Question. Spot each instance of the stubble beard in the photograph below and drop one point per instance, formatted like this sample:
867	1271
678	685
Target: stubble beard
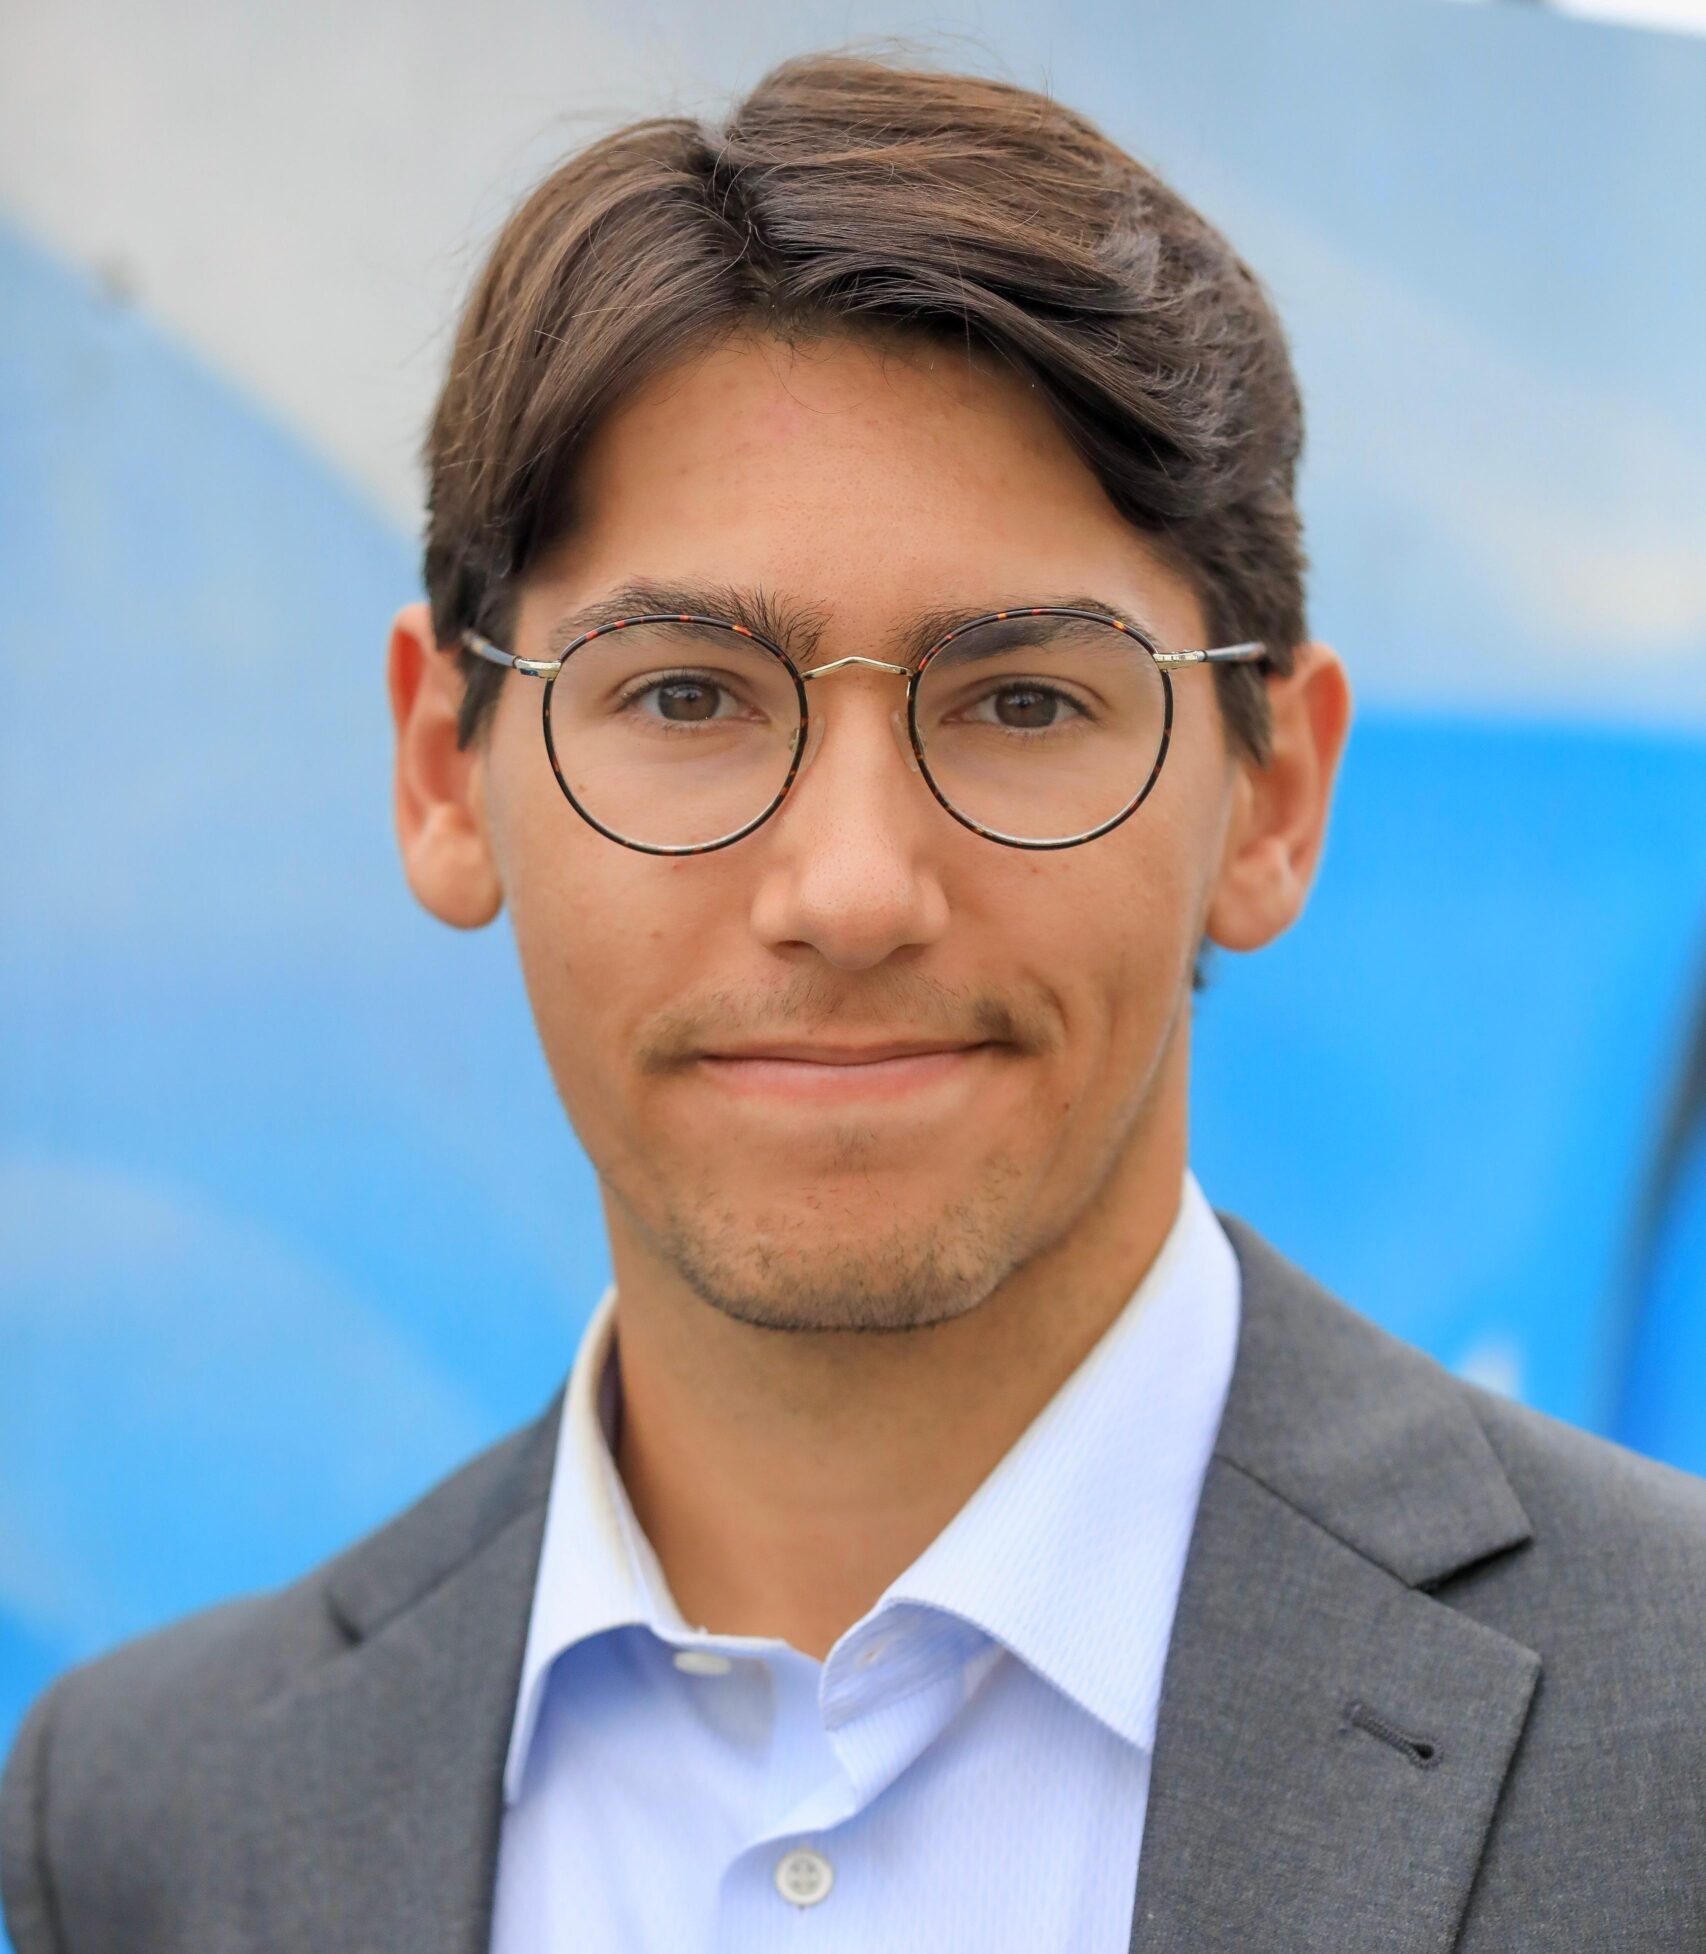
803	1260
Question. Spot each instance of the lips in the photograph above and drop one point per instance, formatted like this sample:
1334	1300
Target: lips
905	1072
809	1054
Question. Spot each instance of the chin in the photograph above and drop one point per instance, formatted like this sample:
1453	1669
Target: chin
871	1279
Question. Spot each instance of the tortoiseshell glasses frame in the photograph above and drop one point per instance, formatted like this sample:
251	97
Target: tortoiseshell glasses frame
548	669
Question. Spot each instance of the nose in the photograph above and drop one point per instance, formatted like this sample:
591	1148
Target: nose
819	717
849	865
897	717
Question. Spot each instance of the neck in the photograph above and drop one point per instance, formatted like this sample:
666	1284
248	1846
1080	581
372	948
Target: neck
785	1478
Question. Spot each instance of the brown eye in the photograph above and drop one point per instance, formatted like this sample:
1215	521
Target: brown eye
686	699
1031	708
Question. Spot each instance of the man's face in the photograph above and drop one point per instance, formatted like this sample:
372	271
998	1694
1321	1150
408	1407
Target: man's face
866	483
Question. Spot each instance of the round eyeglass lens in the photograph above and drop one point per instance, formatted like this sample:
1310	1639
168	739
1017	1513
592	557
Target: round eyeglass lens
1042	728
673	733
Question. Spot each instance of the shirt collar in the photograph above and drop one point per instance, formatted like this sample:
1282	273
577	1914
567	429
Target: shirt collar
1069	1554
597	1570
1071	1551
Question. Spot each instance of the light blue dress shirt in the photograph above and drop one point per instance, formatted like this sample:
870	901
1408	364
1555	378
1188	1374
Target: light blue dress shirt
967	1767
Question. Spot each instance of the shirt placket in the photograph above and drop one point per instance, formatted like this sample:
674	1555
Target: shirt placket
845	1731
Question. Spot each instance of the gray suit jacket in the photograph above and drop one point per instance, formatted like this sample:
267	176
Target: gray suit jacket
1437	1680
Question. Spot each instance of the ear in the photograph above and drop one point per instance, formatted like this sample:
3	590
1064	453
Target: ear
1278	818
438	794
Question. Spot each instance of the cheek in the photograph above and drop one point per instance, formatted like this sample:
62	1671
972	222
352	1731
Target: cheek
565	886
586	950
1116	937
609	941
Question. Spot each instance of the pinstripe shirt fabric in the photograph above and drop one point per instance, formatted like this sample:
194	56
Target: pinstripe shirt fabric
968	1766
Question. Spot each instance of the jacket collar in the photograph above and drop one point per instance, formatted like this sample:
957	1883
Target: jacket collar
1364	1434
391	1568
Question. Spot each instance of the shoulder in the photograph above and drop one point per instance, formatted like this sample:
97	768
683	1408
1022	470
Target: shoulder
1609	1789
1618	1556
111	1753
1375	1433
100	1799
1586	1553
229	1656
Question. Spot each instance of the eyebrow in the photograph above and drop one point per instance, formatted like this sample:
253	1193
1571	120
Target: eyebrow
796	626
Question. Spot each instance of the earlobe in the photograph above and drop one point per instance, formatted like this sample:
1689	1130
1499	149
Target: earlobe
438	789
1277	824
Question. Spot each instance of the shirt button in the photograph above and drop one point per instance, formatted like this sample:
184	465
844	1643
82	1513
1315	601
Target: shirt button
702	1662
804	1876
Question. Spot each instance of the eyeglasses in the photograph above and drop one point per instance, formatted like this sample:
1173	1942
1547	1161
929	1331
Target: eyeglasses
676	733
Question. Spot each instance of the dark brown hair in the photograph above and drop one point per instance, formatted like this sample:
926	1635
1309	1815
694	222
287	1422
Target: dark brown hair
845	193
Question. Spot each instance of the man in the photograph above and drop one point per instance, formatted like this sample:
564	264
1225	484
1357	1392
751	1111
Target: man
866	659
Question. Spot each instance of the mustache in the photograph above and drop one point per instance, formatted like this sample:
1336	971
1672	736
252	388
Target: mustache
910	1007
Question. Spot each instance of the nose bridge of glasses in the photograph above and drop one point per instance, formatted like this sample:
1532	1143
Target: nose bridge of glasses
856	658
897	714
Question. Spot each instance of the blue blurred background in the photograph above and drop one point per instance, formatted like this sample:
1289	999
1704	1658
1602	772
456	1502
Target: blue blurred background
268	1266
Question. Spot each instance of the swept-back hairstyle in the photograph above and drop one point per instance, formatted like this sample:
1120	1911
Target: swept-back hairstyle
844	193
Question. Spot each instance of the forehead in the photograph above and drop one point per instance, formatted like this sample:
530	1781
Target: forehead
829	419
865	474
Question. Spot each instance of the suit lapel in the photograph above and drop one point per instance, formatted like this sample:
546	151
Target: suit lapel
1332	1738
380	1772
